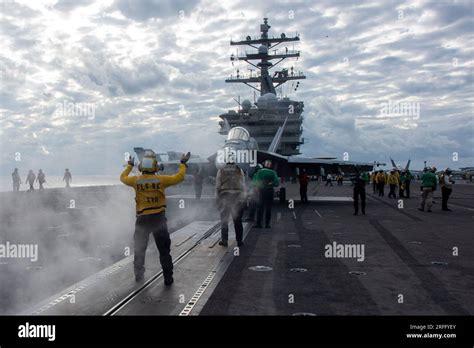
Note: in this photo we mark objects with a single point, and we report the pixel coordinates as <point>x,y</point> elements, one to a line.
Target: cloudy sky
<point>151,73</point>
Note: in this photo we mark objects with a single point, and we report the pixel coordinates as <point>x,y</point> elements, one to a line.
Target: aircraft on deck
<point>245,152</point>
<point>415,172</point>
<point>464,173</point>
<point>461,173</point>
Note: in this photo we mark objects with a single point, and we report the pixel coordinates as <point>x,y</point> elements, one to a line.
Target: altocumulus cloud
<point>154,69</point>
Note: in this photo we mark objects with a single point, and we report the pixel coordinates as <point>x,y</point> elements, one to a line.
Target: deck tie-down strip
<point>197,295</point>
<point>86,283</point>
<point>127,299</point>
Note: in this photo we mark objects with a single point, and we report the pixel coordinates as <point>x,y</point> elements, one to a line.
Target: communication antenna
<point>263,60</point>
<point>238,102</point>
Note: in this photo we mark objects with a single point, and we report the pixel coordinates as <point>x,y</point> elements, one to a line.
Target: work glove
<point>185,157</point>
<point>131,161</point>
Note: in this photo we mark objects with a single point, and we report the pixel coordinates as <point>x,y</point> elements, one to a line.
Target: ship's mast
<point>267,83</point>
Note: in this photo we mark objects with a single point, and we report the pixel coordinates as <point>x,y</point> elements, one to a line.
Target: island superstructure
<point>269,111</point>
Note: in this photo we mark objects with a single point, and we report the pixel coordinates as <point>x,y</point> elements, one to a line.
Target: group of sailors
<point>232,196</point>
<point>401,180</point>
<point>429,183</point>
<point>338,178</point>
<point>31,178</point>
<point>396,178</point>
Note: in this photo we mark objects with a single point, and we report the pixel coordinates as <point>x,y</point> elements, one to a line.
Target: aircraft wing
<point>285,166</point>
<point>330,166</point>
<point>192,160</point>
<point>172,159</point>
<point>305,160</point>
<point>264,155</point>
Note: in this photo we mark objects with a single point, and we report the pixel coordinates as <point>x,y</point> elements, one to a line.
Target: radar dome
<point>246,105</point>
<point>267,100</point>
<point>263,49</point>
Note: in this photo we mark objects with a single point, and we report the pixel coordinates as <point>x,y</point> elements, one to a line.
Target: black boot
<point>168,279</point>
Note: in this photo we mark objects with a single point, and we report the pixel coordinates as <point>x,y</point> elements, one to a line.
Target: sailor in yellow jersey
<point>150,206</point>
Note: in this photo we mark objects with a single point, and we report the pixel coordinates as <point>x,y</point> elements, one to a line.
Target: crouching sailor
<point>150,207</point>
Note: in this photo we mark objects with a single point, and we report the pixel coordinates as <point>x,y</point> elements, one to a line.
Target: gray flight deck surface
<point>400,248</point>
<point>114,291</point>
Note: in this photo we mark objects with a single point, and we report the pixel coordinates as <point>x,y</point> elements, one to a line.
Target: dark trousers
<point>401,192</point>
<point>304,193</point>
<point>198,190</point>
<point>374,186</point>
<point>156,224</point>
<point>265,202</point>
<point>252,209</point>
<point>407,189</point>
<point>252,205</point>
<point>381,187</point>
<point>328,182</point>
<point>229,204</point>
<point>445,192</point>
<point>392,191</point>
<point>359,191</point>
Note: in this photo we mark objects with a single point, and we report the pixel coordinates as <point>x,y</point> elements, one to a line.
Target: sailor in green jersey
<point>428,185</point>
<point>265,180</point>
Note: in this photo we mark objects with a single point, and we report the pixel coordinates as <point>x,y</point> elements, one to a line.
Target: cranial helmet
<point>149,163</point>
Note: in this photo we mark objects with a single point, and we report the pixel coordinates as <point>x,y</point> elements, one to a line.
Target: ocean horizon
<point>56,181</point>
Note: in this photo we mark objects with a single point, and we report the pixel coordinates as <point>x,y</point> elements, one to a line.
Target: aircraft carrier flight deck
<point>413,263</point>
